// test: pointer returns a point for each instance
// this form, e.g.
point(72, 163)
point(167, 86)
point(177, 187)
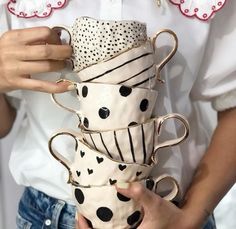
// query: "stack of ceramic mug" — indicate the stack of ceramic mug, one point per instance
point(119, 138)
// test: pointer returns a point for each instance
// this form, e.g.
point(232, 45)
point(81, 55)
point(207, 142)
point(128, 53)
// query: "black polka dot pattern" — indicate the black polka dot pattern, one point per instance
point(104, 214)
point(86, 122)
point(133, 123)
point(104, 112)
point(150, 184)
point(134, 218)
point(94, 41)
point(122, 197)
point(79, 196)
point(144, 105)
point(125, 91)
point(84, 91)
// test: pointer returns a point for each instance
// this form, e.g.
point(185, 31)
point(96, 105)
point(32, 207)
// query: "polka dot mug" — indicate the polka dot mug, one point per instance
point(105, 208)
point(107, 106)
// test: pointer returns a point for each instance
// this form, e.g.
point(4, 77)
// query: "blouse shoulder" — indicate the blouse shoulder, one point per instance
point(34, 8)
point(203, 10)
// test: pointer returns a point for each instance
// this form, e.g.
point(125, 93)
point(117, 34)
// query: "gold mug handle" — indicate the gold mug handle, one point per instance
point(160, 66)
point(56, 101)
point(59, 157)
point(68, 30)
point(155, 181)
point(170, 142)
point(65, 28)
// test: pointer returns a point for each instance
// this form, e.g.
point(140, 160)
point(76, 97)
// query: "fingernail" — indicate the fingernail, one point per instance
point(76, 216)
point(122, 185)
point(71, 87)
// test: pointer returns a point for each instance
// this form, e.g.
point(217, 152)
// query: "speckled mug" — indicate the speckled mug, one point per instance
point(105, 208)
point(108, 106)
point(95, 40)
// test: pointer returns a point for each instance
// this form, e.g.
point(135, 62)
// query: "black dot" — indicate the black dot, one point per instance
point(79, 196)
point(125, 91)
point(150, 184)
point(104, 112)
point(86, 122)
point(132, 219)
point(104, 214)
point(144, 105)
point(122, 198)
point(133, 123)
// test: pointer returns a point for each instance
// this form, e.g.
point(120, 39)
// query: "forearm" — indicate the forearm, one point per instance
point(7, 118)
point(217, 171)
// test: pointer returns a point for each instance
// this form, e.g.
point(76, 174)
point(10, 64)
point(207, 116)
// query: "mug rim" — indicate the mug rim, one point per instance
point(111, 21)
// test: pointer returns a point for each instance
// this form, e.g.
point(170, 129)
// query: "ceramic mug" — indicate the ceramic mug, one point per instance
point(107, 106)
point(92, 168)
point(96, 40)
point(134, 68)
point(105, 208)
point(137, 143)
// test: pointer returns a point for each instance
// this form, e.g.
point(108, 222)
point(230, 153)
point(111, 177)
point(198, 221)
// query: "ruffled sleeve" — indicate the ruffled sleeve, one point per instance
point(216, 79)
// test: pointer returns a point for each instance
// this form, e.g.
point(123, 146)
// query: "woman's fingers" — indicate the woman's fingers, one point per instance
point(30, 36)
point(82, 223)
point(34, 67)
point(139, 193)
point(38, 52)
point(42, 86)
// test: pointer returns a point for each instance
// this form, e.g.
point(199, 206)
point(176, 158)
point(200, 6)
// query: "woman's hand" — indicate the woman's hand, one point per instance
point(158, 213)
point(28, 51)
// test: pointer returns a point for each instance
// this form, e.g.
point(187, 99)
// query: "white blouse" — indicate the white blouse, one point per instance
point(203, 68)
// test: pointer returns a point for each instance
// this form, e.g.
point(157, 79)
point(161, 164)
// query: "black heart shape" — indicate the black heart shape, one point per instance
point(112, 181)
point(138, 173)
point(122, 167)
point(90, 171)
point(82, 153)
point(99, 159)
point(78, 173)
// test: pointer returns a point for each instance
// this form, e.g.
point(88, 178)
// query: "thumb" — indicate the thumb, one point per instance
point(82, 222)
point(138, 193)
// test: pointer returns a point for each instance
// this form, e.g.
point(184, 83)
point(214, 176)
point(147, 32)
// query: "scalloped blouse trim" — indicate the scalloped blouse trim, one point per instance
point(189, 8)
point(46, 10)
point(202, 11)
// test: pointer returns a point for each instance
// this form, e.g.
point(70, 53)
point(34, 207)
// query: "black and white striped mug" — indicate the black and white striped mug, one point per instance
point(137, 67)
point(136, 143)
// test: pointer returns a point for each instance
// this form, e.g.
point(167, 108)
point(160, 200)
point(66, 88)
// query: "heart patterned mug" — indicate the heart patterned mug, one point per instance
point(92, 168)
